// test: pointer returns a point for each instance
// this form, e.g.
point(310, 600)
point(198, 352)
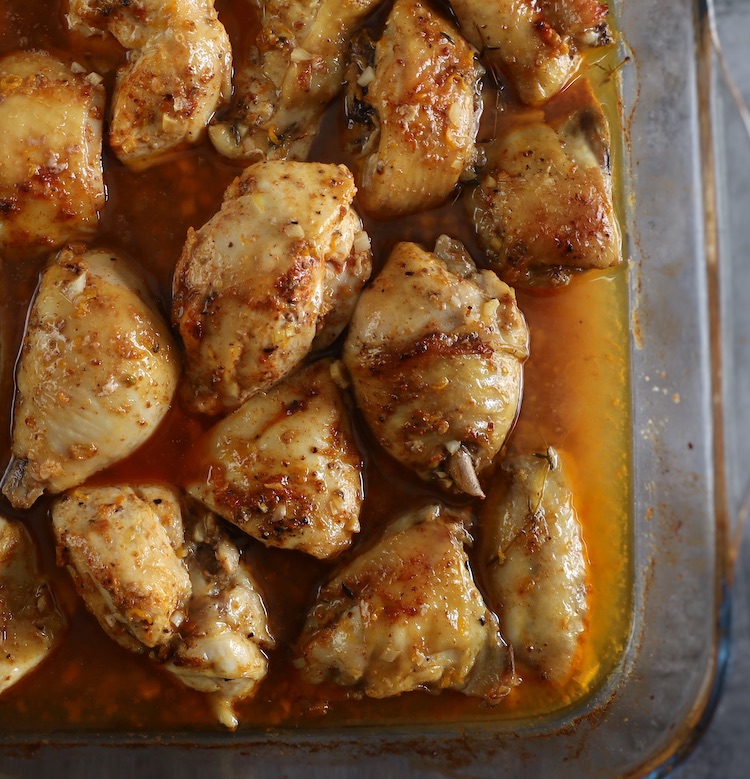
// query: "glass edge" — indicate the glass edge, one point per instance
point(682, 741)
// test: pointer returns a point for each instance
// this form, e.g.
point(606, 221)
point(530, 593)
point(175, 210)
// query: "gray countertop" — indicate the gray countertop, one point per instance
point(723, 750)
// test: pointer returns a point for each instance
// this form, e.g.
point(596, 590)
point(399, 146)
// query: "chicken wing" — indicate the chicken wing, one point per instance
point(406, 615)
point(51, 185)
point(294, 71)
point(535, 43)
point(30, 622)
point(277, 265)
point(413, 104)
point(285, 467)
point(219, 649)
point(177, 74)
point(543, 208)
point(119, 546)
point(435, 353)
point(96, 374)
point(532, 545)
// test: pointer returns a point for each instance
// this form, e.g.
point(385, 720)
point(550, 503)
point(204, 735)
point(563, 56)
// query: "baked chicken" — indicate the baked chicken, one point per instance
point(435, 352)
point(535, 44)
point(30, 622)
point(293, 72)
point(96, 375)
point(123, 548)
point(51, 185)
point(177, 74)
point(167, 583)
point(281, 263)
point(219, 649)
point(543, 207)
point(413, 106)
point(533, 554)
point(406, 615)
point(285, 467)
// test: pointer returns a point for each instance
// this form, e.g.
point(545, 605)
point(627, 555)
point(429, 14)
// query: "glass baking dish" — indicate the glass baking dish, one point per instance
point(645, 715)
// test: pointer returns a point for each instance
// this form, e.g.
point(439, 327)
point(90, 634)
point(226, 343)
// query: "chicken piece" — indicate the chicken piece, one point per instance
point(51, 185)
point(543, 207)
point(413, 103)
point(279, 263)
point(285, 467)
point(435, 352)
point(293, 72)
point(123, 548)
point(406, 615)
point(177, 74)
point(532, 550)
point(535, 43)
point(219, 649)
point(30, 622)
point(96, 375)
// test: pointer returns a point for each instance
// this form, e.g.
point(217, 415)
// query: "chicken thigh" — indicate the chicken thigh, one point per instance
point(219, 649)
point(294, 71)
point(51, 185)
point(435, 352)
point(123, 548)
point(30, 622)
point(535, 43)
point(177, 74)
point(543, 208)
point(97, 372)
point(282, 261)
point(413, 103)
point(406, 615)
point(285, 467)
point(532, 547)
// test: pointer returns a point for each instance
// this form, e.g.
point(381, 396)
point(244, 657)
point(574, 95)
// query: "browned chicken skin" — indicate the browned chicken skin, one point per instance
point(51, 182)
point(31, 625)
point(295, 69)
point(405, 615)
point(96, 375)
point(435, 353)
point(532, 551)
point(122, 547)
point(543, 208)
point(178, 71)
point(285, 467)
point(534, 43)
point(413, 102)
point(280, 264)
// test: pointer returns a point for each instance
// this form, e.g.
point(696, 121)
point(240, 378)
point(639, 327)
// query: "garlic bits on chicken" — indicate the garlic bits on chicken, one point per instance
point(536, 45)
point(31, 624)
point(285, 467)
point(534, 561)
point(96, 375)
point(406, 614)
point(435, 352)
point(51, 180)
point(279, 266)
point(413, 107)
point(288, 77)
point(543, 207)
point(178, 72)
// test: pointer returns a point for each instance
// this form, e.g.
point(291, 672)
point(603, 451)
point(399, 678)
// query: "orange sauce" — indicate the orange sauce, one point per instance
point(576, 398)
